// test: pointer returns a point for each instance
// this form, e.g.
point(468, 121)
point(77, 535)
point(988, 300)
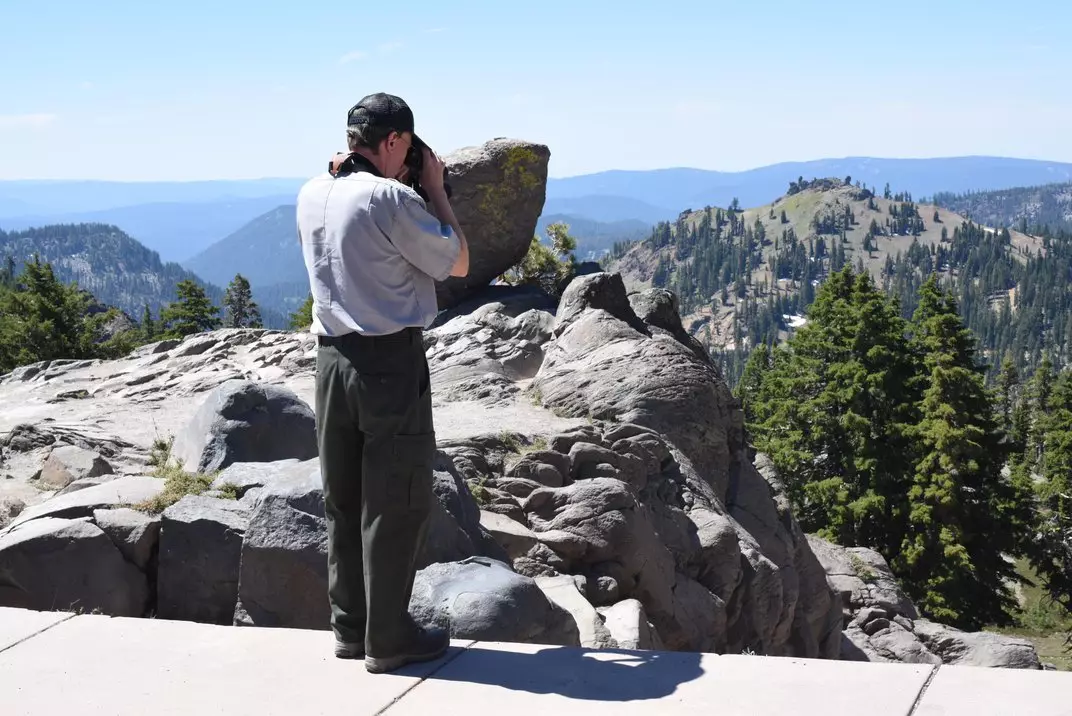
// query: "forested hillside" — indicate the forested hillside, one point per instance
point(1028, 208)
point(114, 267)
point(745, 277)
point(105, 261)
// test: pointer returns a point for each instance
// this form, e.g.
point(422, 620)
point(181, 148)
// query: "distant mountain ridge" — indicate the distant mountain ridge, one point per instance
point(1049, 205)
point(686, 188)
point(265, 250)
point(175, 230)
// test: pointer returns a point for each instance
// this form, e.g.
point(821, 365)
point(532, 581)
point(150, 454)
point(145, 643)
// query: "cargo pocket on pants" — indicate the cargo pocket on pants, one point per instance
point(409, 482)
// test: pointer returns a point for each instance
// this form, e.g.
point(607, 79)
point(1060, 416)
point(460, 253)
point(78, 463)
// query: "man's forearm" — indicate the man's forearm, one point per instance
point(443, 211)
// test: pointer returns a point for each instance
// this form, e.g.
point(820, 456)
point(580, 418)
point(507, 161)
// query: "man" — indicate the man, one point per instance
point(373, 252)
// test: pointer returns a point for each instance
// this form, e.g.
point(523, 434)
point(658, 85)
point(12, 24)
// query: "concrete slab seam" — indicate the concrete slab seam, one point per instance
point(926, 685)
point(420, 681)
point(37, 633)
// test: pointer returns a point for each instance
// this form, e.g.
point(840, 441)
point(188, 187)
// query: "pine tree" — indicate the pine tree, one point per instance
point(1008, 381)
point(1050, 551)
point(748, 387)
point(240, 310)
point(964, 518)
point(830, 411)
point(148, 327)
point(43, 319)
point(192, 313)
point(303, 317)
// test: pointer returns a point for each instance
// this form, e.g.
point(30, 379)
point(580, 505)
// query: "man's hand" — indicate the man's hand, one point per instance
point(432, 172)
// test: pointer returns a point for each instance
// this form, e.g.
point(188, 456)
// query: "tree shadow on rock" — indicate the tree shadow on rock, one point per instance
point(577, 673)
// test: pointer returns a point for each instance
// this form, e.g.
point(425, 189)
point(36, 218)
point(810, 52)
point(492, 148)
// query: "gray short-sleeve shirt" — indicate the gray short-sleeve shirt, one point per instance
point(372, 252)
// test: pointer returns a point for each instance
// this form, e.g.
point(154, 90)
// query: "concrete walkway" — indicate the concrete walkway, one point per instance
point(55, 663)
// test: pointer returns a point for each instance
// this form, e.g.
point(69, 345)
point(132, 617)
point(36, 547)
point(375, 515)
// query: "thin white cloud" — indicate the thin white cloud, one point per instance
point(390, 47)
point(26, 121)
point(352, 57)
point(436, 29)
point(87, 85)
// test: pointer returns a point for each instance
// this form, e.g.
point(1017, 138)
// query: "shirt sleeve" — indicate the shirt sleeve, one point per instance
point(420, 237)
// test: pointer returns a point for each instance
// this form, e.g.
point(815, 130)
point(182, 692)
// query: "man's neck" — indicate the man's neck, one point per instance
point(372, 159)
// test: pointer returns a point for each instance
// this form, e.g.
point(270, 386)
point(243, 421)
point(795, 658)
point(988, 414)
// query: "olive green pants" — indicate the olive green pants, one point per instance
point(377, 444)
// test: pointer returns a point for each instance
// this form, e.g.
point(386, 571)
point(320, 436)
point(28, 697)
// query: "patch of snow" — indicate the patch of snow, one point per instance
point(794, 320)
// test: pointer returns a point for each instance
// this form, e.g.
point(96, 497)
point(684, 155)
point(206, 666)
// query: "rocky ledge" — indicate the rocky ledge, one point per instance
point(594, 487)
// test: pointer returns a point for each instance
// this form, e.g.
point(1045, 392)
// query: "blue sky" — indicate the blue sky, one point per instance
point(236, 89)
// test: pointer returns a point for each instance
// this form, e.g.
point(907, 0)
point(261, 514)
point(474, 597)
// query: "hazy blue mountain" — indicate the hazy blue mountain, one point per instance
point(608, 208)
point(46, 197)
point(264, 250)
point(682, 189)
point(595, 237)
point(177, 231)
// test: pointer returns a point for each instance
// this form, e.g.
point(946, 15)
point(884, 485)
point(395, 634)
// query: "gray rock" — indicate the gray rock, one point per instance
point(586, 458)
point(134, 533)
point(629, 625)
point(606, 364)
point(512, 536)
point(893, 644)
point(659, 308)
point(200, 550)
point(982, 648)
point(563, 591)
point(242, 421)
point(454, 530)
point(196, 345)
point(480, 598)
point(10, 508)
point(249, 476)
point(862, 578)
point(25, 437)
point(121, 492)
point(68, 565)
point(498, 194)
point(68, 463)
point(86, 482)
point(283, 570)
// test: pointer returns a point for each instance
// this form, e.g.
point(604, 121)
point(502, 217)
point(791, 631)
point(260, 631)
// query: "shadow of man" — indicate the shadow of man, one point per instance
point(577, 673)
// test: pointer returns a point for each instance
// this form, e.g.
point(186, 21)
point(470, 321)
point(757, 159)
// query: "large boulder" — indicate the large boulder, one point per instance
point(664, 475)
point(198, 567)
point(68, 463)
point(606, 363)
point(498, 195)
point(243, 421)
point(283, 572)
point(68, 564)
point(481, 598)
